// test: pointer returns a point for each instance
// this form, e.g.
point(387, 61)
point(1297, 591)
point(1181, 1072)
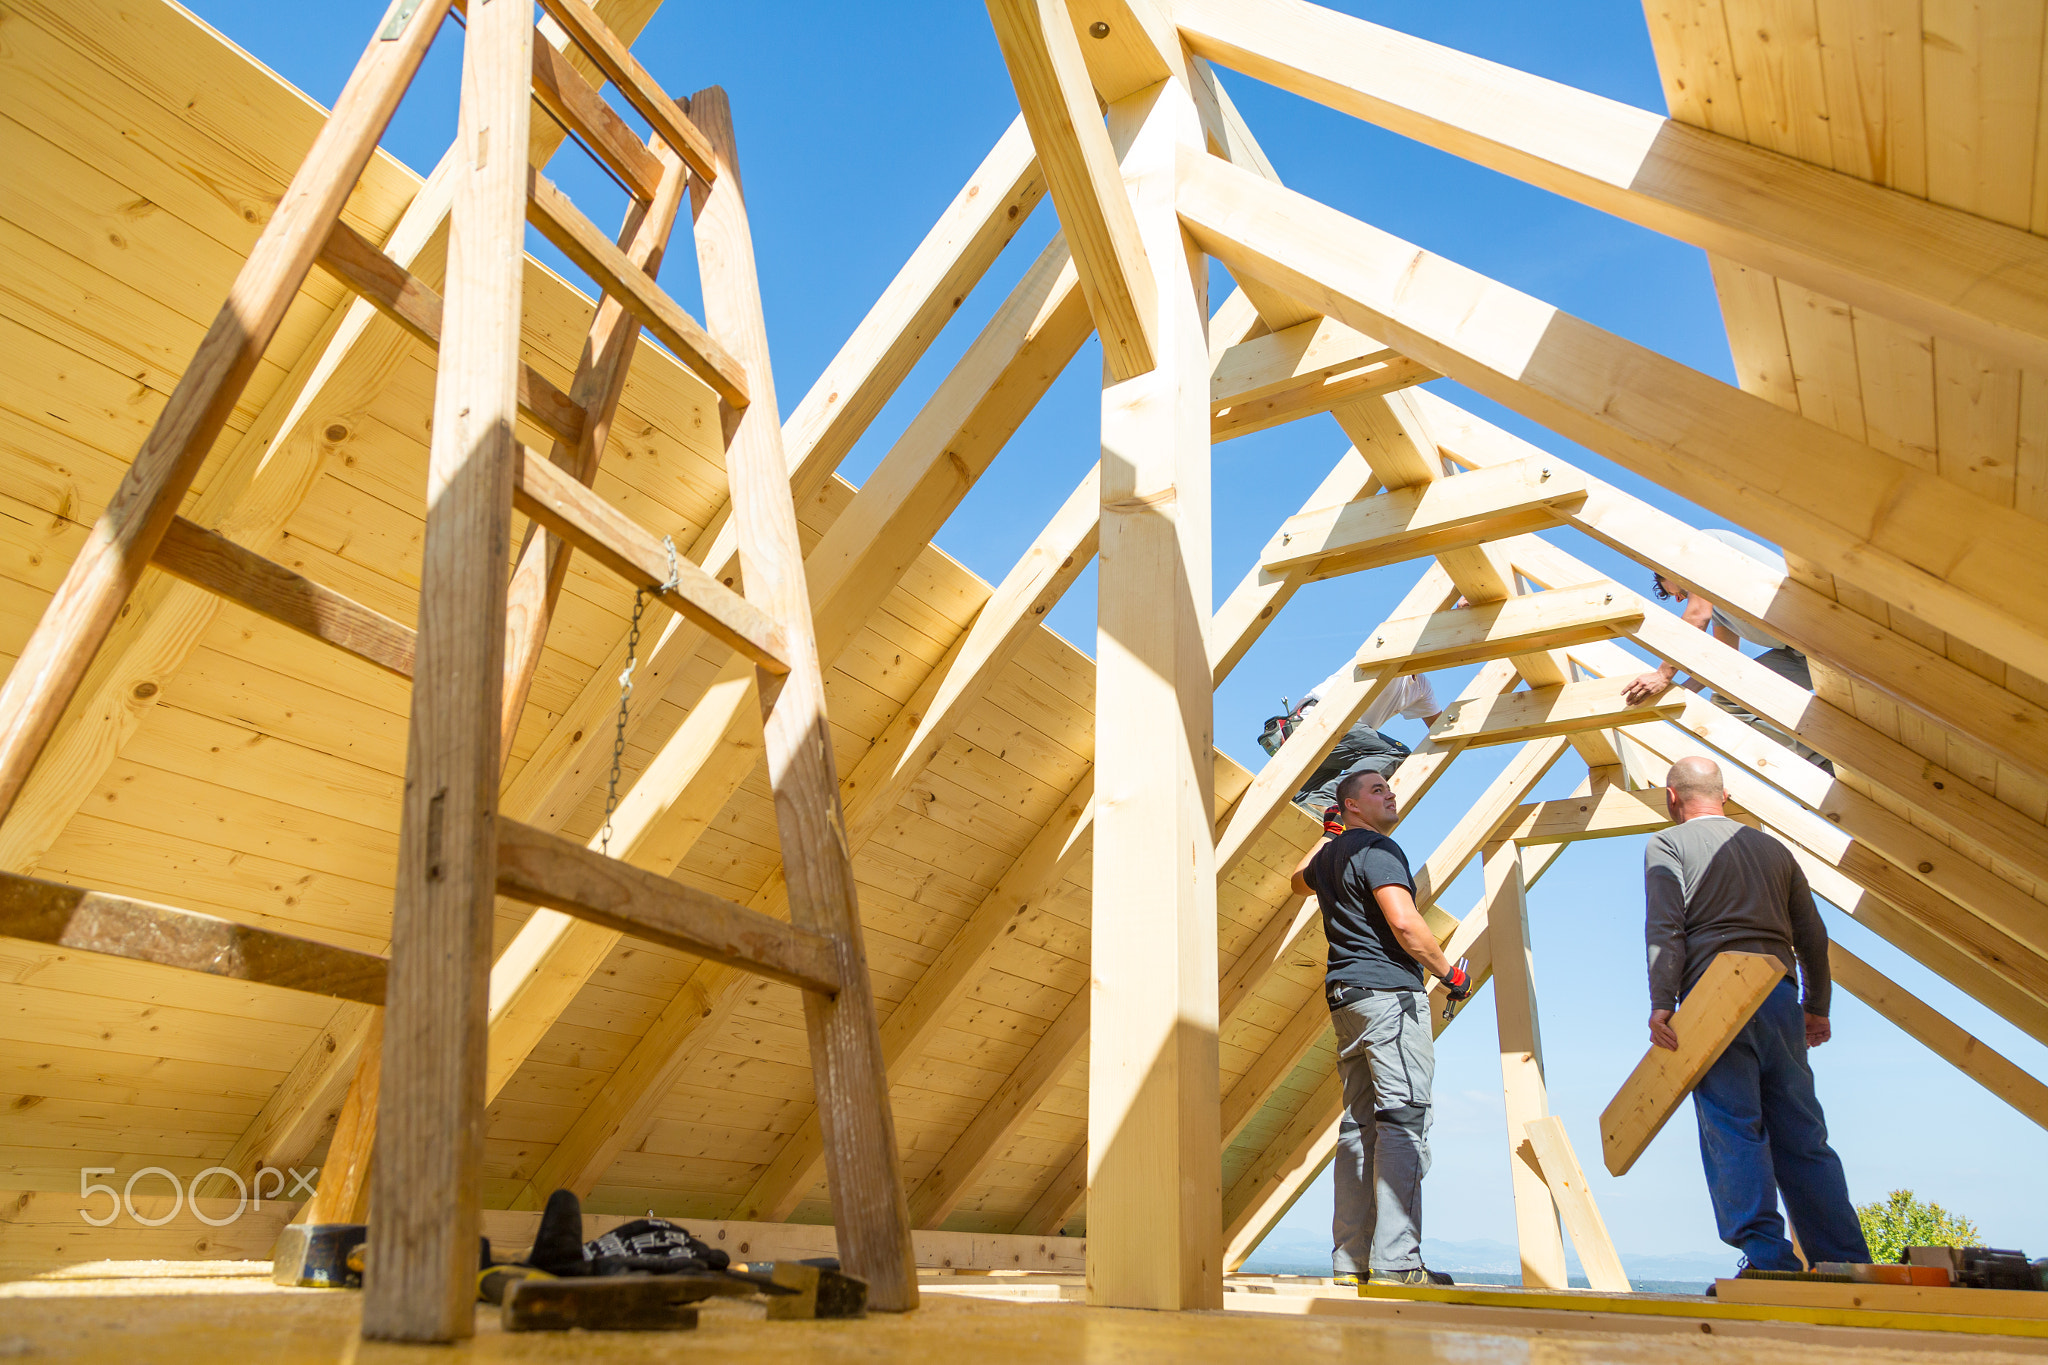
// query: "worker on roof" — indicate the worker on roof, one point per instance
point(1713, 886)
point(1386, 1054)
point(1365, 747)
point(1779, 657)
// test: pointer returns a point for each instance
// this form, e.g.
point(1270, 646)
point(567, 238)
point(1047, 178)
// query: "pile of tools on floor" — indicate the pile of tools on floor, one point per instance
point(646, 1275)
point(1929, 1267)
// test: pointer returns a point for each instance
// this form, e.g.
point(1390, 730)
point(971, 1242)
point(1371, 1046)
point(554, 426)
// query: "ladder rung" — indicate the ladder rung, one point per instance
point(95, 922)
point(408, 301)
point(561, 88)
point(551, 496)
point(545, 869)
point(623, 69)
point(211, 561)
point(562, 223)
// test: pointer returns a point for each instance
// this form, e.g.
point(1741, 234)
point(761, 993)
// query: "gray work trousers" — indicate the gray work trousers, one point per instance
point(1789, 664)
point(1387, 1059)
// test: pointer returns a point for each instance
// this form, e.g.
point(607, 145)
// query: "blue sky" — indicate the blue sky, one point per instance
point(857, 123)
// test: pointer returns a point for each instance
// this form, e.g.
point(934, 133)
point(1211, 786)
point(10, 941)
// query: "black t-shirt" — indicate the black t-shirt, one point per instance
point(1363, 949)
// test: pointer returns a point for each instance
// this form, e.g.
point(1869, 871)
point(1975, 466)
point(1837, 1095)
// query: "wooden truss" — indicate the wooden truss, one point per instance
point(1185, 1128)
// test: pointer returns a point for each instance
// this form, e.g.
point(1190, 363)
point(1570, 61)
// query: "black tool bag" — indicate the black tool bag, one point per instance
point(1278, 728)
point(644, 1246)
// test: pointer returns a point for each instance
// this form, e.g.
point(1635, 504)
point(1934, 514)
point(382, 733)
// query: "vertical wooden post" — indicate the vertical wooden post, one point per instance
point(1567, 1182)
point(1154, 1129)
point(859, 1129)
point(1521, 1065)
point(431, 1107)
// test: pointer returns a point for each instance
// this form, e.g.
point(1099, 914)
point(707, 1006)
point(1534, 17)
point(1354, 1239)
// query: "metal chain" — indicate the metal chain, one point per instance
point(640, 596)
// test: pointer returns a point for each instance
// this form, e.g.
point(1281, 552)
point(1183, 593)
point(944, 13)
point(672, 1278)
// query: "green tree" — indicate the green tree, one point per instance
point(1902, 1221)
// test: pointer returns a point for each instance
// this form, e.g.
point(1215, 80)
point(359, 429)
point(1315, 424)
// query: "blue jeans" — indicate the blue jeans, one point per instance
point(1762, 1133)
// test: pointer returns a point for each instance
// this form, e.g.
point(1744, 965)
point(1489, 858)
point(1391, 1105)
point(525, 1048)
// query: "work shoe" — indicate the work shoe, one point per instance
point(1349, 1281)
point(1421, 1274)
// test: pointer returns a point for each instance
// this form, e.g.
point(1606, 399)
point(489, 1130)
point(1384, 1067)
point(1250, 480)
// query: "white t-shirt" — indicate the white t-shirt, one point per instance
point(1411, 696)
point(1763, 554)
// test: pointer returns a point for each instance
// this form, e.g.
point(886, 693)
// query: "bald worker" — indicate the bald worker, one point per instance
point(1715, 886)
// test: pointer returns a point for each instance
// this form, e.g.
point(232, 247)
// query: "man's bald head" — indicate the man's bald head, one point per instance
point(1694, 787)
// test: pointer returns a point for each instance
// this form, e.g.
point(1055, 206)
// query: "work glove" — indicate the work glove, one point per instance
point(1458, 985)
point(1333, 821)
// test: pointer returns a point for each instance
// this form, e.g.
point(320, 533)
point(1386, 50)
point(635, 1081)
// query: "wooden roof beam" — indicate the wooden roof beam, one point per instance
point(1910, 536)
point(117, 926)
point(1959, 807)
point(1053, 91)
point(1934, 268)
point(1127, 45)
point(1308, 368)
point(1847, 814)
point(1568, 709)
point(1367, 532)
point(1999, 720)
point(1944, 1038)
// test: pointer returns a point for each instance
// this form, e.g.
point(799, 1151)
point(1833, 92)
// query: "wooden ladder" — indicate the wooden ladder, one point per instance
point(480, 633)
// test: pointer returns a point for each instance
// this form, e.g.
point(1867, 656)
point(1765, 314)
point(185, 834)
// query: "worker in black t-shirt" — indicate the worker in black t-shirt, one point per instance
point(1386, 1053)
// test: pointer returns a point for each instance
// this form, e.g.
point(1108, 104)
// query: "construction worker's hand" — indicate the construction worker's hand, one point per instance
point(1458, 985)
point(1645, 687)
point(1333, 821)
point(1661, 1033)
point(1818, 1030)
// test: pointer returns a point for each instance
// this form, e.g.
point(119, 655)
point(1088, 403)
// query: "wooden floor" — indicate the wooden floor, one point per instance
point(171, 1312)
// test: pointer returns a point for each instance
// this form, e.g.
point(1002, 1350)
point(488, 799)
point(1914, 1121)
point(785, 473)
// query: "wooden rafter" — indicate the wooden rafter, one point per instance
point(2005, 723)
point(1921, 541)
point(1043, 54)
point(1948, 272)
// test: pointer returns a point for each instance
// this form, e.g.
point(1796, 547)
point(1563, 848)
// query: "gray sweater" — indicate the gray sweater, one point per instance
point(1715, 886)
